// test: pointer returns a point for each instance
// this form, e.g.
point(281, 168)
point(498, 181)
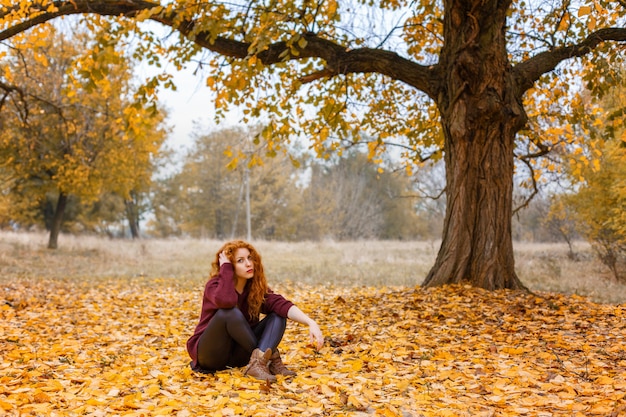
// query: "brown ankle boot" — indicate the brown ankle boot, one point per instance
point(277, 367)
point(257, 367)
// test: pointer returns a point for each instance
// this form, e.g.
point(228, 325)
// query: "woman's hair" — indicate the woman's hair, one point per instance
point(258, 286)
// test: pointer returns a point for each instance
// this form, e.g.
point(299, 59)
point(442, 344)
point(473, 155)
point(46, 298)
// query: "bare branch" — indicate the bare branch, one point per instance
point(8, 88)
point(532, 195)
point(543, 150)
point(421, 158)
point(528, 72)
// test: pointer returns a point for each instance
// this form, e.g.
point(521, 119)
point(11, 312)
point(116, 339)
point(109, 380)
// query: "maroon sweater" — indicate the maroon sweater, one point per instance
point(219, 293)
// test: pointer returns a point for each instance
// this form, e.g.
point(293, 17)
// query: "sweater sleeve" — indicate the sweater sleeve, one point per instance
point(220, 291)
point(276, 303)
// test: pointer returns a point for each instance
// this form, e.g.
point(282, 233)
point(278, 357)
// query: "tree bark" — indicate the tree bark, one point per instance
point(57, 221)
point(481, 112)
point(477, 246)
point(133, 217)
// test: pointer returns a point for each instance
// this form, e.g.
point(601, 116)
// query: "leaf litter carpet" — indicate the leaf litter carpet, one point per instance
point(116, 347)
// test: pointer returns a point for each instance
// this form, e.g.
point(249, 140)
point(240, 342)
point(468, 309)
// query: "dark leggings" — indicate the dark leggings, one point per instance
point(229, 340)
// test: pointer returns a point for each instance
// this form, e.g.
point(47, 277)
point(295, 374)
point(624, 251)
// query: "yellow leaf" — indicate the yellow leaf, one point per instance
point(605, 380)
point(41, 397)
point(6, 406)
point(354, 402)
point(130, 400)
point(564, 24)
point(591, 23)
point(249, 395)
point(357, 365)
point(369, 394)
point(513, 351)
point(442, 354)
point(172, 402)
point(403, 384)
point(584, 10)
point(153, 390)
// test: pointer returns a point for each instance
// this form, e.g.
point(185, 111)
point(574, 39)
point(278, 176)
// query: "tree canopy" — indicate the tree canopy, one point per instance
point(458, 79)
point(70, 126)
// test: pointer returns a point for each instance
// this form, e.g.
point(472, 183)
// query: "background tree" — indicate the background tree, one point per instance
point(70, 125)
point(598, 208)
point(598, 202)
point(429, 185)
point(350, 199)
point(206, 198)
point(560, 221)
point(451, 78)
point(346, 198)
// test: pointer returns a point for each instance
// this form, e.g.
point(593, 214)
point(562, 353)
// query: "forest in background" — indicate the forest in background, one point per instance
point(203, 194)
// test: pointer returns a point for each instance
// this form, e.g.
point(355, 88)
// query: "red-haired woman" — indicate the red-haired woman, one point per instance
point(229, 333)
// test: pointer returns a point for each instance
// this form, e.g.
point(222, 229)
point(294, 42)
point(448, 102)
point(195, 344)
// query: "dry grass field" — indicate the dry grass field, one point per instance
point(541, 267)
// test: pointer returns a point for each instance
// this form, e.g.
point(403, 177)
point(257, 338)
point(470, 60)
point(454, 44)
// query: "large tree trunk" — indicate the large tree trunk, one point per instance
point(57, 221)
point(481, 112)
point(477, 246)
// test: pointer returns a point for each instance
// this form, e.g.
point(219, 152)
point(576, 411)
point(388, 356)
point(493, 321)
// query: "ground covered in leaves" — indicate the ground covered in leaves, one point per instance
point(117, 348)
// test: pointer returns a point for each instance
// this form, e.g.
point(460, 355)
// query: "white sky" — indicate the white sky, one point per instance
point(191, 102)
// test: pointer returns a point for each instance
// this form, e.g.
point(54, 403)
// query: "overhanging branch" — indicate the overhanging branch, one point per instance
point(529, 71)
point(338, 59)
point(71, 7)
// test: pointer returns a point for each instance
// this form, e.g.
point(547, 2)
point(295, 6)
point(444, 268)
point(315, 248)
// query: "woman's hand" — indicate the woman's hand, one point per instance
point(315, 335)
point(223, 259)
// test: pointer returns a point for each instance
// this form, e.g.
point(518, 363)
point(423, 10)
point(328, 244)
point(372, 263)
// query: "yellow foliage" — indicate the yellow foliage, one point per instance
point(103, 347)
point(84, 135)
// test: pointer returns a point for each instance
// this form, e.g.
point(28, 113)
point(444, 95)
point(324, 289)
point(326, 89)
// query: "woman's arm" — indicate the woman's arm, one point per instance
point(315, 334)
point(220, 290)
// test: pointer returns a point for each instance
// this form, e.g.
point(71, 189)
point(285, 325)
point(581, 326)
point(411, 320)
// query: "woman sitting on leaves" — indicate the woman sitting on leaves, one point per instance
point(229, 333)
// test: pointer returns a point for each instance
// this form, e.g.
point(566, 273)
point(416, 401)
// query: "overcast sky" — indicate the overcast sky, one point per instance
point(191, 102)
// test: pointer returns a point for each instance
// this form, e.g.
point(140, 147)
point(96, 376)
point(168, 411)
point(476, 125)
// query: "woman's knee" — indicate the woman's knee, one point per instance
point(276, 319)
point(229, 314)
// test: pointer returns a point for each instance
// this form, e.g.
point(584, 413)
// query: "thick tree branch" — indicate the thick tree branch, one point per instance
point(338, 59)
point(65, 8)
point(528, 72)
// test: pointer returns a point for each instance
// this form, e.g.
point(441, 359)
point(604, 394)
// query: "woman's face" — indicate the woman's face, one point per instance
point(244, 266)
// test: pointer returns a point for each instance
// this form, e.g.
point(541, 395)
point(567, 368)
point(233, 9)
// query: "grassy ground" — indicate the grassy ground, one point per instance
point(541, 267)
